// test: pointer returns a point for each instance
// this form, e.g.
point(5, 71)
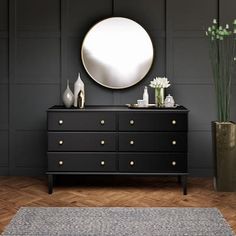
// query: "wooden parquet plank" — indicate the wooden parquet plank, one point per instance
point(16, 192)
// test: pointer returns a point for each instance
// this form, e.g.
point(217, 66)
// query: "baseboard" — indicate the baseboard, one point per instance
point(208, 172)
point(27, 172)
point(4, 171)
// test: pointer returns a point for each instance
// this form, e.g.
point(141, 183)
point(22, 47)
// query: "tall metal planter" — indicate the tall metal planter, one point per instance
point(224, 150)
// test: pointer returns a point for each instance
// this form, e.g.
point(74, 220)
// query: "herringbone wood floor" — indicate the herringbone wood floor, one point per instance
point(16, 192)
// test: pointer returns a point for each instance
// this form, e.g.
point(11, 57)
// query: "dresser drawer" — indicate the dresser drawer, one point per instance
point(82, 141)
point(81, 121)
point(152, 121)
point(153, 141)
point(153, 163)
point(62, 161)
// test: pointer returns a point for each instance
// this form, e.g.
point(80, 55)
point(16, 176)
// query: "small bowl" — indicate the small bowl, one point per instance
point(141, 103)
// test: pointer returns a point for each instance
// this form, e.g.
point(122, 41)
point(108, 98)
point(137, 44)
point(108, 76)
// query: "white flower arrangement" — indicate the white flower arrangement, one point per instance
point(218, 32)
point(160, 82)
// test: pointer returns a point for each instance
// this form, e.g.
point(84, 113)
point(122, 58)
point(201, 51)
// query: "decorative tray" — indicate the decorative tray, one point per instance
point(150, 106)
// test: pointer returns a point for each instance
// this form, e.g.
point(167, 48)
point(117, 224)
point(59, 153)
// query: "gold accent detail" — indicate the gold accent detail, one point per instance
point(131, 122)
point(132, 163)
point(61, 142)
point(131, 142)
point(60, 122)
point(60, 163)
point(173, 163)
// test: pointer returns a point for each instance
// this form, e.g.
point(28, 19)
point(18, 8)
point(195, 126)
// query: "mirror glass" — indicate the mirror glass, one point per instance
point(117, 52)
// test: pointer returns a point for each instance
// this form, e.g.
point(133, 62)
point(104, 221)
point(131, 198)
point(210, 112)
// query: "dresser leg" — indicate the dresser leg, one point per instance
point(50, 184)
point(184, 184)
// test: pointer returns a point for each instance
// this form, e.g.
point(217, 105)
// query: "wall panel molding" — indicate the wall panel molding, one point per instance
point(12, 62)
point(189, 69)
point(4, 171)
point(4, 88)
point(63, 44)
point(3, 34)
point(40, 43)
point(227, 11)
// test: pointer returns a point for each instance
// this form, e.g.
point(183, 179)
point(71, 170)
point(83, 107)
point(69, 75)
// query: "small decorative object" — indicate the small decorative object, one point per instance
point(79, 95)
point(159, 84)
point(68, 97)
point(145, 96)
point(169, 101)
point(222, 43)
point(141, 103)
point(81, 99)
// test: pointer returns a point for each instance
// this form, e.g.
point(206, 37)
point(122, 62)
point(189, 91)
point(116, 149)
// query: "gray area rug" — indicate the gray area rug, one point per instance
point(38, 221)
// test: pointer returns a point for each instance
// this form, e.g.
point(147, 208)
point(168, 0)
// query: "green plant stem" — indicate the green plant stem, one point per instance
point(222, 53)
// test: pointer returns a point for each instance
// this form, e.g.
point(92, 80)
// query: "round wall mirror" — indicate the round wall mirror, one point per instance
point(117, 52)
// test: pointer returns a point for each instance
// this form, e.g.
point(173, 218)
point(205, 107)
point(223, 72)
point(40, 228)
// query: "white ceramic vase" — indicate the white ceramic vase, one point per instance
point(79, 90)
point(68, 97)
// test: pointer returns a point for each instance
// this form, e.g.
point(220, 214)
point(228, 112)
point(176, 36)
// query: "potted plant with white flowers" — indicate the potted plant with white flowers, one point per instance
point(159, 84)
point(222, 42)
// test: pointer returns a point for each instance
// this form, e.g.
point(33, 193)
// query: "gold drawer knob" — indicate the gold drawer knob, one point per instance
point(60, 163)
point(102, 122)
point(174, 122)
point(174, 142)
point(173, 163)
point(131, 122)
point(102, 163)
point(60, 142)
point(102, 142)
point(132, 163)
point(131, 142)
point(60, 122)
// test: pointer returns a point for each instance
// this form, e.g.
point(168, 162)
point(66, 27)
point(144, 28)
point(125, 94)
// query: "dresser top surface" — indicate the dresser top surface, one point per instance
point(116, 108)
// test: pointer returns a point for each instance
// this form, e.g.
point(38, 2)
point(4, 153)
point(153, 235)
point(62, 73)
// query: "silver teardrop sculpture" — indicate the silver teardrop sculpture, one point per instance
point(68, 97)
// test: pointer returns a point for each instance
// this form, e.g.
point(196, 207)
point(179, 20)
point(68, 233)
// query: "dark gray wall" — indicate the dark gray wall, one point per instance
point(40, 44)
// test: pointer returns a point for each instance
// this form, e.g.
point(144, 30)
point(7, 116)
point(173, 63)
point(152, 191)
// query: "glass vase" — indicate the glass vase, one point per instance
point(159, 97)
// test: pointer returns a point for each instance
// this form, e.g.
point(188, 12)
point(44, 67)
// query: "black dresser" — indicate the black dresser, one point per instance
point(116, 140)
